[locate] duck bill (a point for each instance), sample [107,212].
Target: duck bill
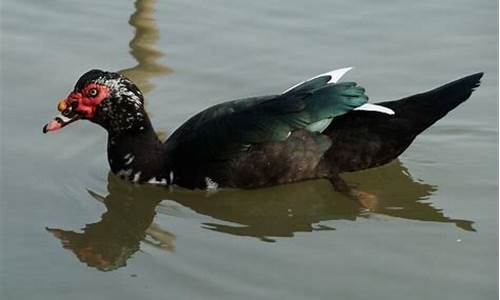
[59,122]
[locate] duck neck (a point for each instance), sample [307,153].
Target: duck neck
[137,154]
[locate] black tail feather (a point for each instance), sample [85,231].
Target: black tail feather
[425,109]
[365,139]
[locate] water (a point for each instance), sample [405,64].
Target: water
[70,230]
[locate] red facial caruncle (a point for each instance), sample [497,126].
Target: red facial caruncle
[79,104]
[86,99]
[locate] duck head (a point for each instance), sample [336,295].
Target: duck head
[106,98]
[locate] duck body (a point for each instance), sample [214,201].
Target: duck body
[316,129]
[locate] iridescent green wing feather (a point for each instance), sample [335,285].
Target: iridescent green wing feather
[222,131]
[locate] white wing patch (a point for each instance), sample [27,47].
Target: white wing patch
[335,75]
[374,107]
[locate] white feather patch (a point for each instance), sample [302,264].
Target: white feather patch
[130,159]
[211,184]
[335,75]
[374,107]
[153,180]
[137,177]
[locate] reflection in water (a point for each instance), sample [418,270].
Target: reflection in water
[109,243]
[142,47]
[283,210]
[279,211]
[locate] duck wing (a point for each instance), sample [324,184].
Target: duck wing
[221,132]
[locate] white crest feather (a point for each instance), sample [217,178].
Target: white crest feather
[335,75]
[374,107]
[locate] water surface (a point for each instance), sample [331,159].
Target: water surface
[71,230]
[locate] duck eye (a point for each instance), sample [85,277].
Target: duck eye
[92,93]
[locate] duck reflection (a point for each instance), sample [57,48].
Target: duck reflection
[265,214]
[109,243]
[282,211]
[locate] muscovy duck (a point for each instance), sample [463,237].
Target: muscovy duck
[318,128]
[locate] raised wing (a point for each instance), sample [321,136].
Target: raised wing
[320,80]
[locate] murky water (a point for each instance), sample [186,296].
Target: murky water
[71,231]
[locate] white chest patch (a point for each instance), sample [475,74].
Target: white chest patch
[154,180]
[137,177]
[211,185]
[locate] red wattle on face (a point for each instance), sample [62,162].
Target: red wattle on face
[79,104]
[87,102]
[92,101]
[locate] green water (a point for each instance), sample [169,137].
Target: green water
[69,230]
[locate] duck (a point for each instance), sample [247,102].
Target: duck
[317,129]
